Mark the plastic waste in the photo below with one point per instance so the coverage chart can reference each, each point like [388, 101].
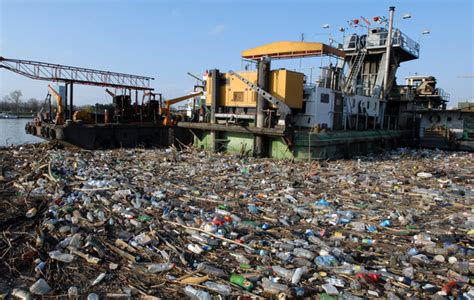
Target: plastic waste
[40, 287]
[196, 294]
[300, 252]
[21, 294]
[241, 281]
[63, 257]
[282, 272]
[273, 287]
[222, 289]
[155, 268]
[326, 261]
[93, 296]
[211, 270]
[295, 279]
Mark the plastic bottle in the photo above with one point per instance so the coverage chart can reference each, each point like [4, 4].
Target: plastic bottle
[64, 257]
[302, 212]
[282, 272]
[301, 262]
[284, 256]
[300, 252]
[337, 252]
[317, 241]
[409, 272]
[345, 217]
[195, 248]
[325, 261]
[196, 294]
[222, 289]
[322, 202]
[369, 242]
[155, 268]
[297, 275]
[211, 270]
[273, 287]
[301, 292]
[241, 281]
[240, 258]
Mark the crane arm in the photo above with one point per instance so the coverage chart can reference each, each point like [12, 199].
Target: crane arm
[62, 73]
[197, 78]
[182, 98]
[59, 113]
[283, 108]
[167, 110]
[110, 92]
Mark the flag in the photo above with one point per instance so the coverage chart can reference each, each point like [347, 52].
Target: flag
[365, 20]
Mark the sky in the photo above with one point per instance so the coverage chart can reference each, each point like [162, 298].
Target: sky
[167, 39]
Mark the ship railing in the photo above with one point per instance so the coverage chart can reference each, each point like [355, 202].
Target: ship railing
[399, 39]
[443, 94]
[403, 93]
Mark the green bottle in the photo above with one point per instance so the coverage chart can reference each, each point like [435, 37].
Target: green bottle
[241, 281]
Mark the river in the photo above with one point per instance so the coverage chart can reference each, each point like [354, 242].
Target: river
[12, 131]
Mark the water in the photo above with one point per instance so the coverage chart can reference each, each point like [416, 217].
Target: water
[12, 131]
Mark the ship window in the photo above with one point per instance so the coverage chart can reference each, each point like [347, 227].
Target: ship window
[450, 119]
[324, 98]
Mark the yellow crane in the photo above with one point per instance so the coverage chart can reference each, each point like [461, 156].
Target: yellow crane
[59, 120]
[166, 111]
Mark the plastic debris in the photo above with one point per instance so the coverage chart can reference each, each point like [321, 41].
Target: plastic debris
[133, 223]
[40, 287]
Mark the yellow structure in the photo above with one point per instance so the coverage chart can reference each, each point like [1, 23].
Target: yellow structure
[166, 110]
[284, 84]
[84, 116]
[280, 50]
[59, 120]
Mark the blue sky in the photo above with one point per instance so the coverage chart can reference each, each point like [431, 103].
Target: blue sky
[166, 39]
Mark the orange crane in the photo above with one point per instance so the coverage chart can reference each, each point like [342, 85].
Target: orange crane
[59, 120]
[166, 111]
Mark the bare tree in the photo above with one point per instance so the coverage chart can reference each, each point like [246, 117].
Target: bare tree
[33, 105]
[15, 98]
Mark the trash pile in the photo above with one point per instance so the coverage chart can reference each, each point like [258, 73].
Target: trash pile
[177, 224]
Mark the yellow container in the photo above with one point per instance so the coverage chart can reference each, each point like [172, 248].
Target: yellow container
[284, 84]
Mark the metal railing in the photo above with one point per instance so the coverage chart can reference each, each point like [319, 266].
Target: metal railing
[403, 93]
[379, 39]
[444, 95]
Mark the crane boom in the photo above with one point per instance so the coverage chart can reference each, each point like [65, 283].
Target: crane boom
[59, 120]
[54, 72]
[283, 108]
[166, 111]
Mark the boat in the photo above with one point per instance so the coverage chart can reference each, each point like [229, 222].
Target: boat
[7, 116]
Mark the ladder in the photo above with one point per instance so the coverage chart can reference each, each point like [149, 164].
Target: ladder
[356, 66]
[283, 108]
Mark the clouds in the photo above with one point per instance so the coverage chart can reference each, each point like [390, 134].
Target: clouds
[218, 29]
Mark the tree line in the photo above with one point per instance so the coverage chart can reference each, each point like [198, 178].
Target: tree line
[14, 103]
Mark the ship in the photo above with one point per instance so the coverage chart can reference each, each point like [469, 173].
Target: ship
[355, 106]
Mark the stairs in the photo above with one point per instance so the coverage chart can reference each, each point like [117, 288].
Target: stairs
[356, 65]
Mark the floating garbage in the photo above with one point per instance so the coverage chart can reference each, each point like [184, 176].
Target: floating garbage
[135, 223]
